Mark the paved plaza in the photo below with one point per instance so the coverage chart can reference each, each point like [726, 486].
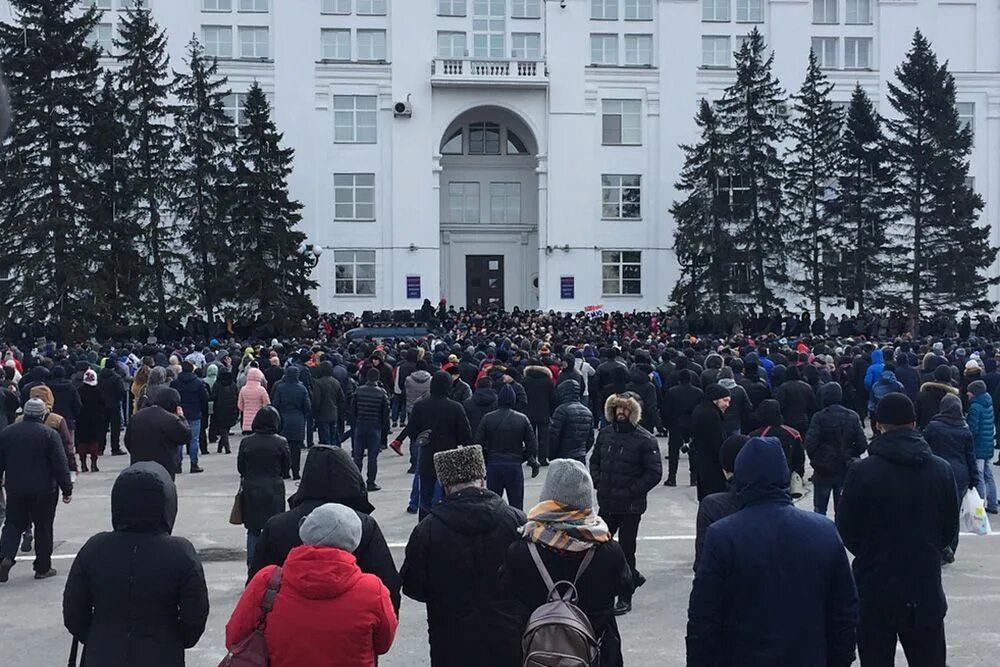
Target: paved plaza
[32, 634]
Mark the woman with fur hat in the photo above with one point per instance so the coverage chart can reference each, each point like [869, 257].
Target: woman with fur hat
[92, 424]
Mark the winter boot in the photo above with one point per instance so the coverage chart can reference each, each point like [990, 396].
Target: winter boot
[26, 541]
[45, 575]
[196, 468]
[671, 481]
[83, 465]
[93, 464]
[5, 566]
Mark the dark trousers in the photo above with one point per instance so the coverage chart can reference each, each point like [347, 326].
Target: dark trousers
[678, 436]
[628, 524]
[367, 440]
[310, 427]
[924, 647]
[22, 512]
[542, 433]
[295, 449]
[204, 434]
[223, 440]
[398, 409]
[506, 476]
[116, 430]
[822, 493]
[327, 433]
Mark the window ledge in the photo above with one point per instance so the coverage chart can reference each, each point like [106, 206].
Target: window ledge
[622, 145]
[865, 23]
[616, 296]
[717, 67]
[354, 220]
[621, 219]
[750, 22]
[453, 16]
[594, 18]
[355, 143]
[360, 14]
[527, 18]
[649, 20]
[354, 296]
[716, 20]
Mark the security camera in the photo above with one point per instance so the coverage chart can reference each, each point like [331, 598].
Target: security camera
[402, 109]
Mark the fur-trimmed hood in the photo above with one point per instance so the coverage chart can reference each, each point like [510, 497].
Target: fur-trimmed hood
[538, 370]
[630, 401]
[945, 388]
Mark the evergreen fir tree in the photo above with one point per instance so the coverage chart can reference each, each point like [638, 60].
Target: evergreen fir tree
[273, 275]
[204, 175]
[48, 248]
[751, 113]
[702, 242]
[811, 163]
[947, 253]
[863, 206]
[148, 162]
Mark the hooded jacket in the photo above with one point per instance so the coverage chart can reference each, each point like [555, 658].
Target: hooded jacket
[224, 397]
[797, 399]
[626, 463]
[66, 400]
[148, 393]
[506, 435]
[707, 436]
[834, 438]
[112, 388]
[328, 396]
[875, 369]
[949, 437]
[641, 385]
[739, 417]
[291, 399]
[681, 400]
[443, 417]
[155, 433]
[417, 385]
[886, 384]
[981, 425]
[194, 395]
[252, 397]
[772, 425]
[483, 402]
[263, 461]
[136, 595]
[571, 432]
[33, 461]
[541, 394]
[744, 610]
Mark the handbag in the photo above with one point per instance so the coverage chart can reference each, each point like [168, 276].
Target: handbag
[236, 513]
[252, 650]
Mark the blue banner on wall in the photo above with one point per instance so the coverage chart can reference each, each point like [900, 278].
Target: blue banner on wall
[567, 287]
[412, 287]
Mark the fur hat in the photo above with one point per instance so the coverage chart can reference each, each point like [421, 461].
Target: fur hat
[629, 401]
[459, 466]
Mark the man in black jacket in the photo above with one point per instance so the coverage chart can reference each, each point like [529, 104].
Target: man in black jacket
[327, 403]
[483, 401]
[681, 401]
[707, 436]
[508, 440]
[625, 466]
[835, 437]
[571, 432]
[718, 506]
[113, 392]
[370, 421]
[155, 432]
[898, 511]
[33, 465]
[541, 394]
[641, 384]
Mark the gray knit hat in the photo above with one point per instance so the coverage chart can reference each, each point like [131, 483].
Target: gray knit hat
[332, 525]
[35, 409]
[567, 482]
[459, 466]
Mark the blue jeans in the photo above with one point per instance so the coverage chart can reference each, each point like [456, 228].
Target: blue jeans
[252, 537]
[193, 446]
[415, 491]
[506, 476]
[987, 486]
[821, 496]
[327, 433]
[367, 439]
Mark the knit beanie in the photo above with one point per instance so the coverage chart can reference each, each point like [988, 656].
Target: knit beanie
[714, 392]
[332, 525]
[567, 482]
[506, 397]
[942, 374]
[730, 448]
[977, 388]
[34, 409]
[896, 409]
[460, 466]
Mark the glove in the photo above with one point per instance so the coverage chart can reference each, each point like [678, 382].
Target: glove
[533, 464]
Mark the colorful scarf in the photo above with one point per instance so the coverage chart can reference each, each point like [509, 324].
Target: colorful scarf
[564, 528]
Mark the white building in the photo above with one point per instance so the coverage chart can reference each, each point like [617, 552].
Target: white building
[524, 151]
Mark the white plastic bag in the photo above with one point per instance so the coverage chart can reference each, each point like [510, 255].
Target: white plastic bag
[972, 515]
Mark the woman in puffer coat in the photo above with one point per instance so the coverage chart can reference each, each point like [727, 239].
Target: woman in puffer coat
[950, 438]
[252, 398]
[225, 413]
[291, 399]
[983, 431]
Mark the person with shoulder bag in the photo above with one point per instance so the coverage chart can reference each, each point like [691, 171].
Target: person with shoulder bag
[263, 462]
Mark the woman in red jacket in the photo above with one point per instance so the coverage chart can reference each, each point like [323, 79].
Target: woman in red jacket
[327, 612]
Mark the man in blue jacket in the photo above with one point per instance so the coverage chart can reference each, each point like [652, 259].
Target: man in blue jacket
[875, 369]
[773, 585]
[194, 403]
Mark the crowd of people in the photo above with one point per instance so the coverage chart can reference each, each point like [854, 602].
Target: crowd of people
[895, 430]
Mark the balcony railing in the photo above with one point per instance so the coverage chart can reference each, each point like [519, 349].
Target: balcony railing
[489, 72]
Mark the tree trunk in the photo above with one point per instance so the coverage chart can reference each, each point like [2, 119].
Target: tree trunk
[154, 238]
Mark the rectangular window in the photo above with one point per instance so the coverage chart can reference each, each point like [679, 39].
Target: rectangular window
[100, 38]
[355, 119]
[621, 123]
[859, 12]
[505, 202]
[526, 45]
[99, 4]
[715, 10]
[254, 42]
[749, 11]
[740, 41]
[489, 18]
[463, 202]
[371, 45]
[638, 10]
[825, 11]
[354, 272]
[825, 49]
[967, 115]
[639, 50]
[525, 9]
[621, 272]
[212, 5]
[858, 52]
[354, 197]
[371, 8]
[451, 45]
[715, 51]
[253, 5]
[604, 10]
[233, 105]
[133, 4]
[335, 7]
[218, 40]
[484, 139]
[451, 8]
[336, 44]
[604, 49]
[621, 197]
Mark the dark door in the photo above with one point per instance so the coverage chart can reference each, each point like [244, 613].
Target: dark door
[483, 281]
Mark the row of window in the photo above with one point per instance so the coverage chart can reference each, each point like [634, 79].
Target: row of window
[718, 50]
[608, 10]
[523, 45]
[519, 9]
[369, 45]
[241, 5]
[361, 7]
[638, 50]
[122, 4]
[254, 41]
[857, 12]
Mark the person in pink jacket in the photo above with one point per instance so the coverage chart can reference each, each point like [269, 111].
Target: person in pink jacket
[253, 397]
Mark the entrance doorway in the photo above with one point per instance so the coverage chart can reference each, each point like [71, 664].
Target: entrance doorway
[483, 281]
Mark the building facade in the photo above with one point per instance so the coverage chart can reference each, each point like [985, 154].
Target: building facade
[524, 152]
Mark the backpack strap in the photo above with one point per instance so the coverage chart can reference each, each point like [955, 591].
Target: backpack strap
[267, 602]
[547, 578]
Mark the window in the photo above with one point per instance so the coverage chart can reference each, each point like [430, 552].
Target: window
[858, 52]
[336, 7]
[134, 4]
[253, 5]
[354, 119]
[354, 196]
[738, 276]
[825, 11]
[604, 49]
[354, 272]
[967, 115]
[336, 44]
[620, 197]
[715, 10]
[526, 45]
[484, 139]
[740, 41]
[514, 144]
[734, 191]
[639, 50]
[525, 9]
[371, 7]
[604, 10]
[859, 12]
[715, 51]
[100, 37]
[253, 42]
[454, 145]
[505, 202]
[638, 10]
[215, 5]
[233, 104]
[621, 123]
[371, 45]
[825, 49]
[488, 21]
[218, 40]
[451, 45]
[463, 202]
[621, 272]
[99, 4]
[451, 7]
[749, 11]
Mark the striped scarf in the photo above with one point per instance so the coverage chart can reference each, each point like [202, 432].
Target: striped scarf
[564, 528]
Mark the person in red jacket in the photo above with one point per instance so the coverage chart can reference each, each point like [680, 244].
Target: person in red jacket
[327, 612]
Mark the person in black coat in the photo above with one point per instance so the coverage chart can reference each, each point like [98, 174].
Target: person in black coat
[194, 401]
[508, 440]
[328, 404]
[154, 433]
[542, 402]
[754, 384]
[483, 401]
[263, 461]
[898, 511]
[745, 610]
[928, 401]
[707, 436]
[136, 595]
[718, 506]
[369, 418]
[113, 392]
[92, 423]
[328, 476]
[291, 400]
[835, 438]
[571, 432]
[907, 375]
[797, 400]
[66, 398]
[225, 411]
[642, 386]
[678, 416]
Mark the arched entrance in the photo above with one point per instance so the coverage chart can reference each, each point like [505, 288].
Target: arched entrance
[489, 211]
